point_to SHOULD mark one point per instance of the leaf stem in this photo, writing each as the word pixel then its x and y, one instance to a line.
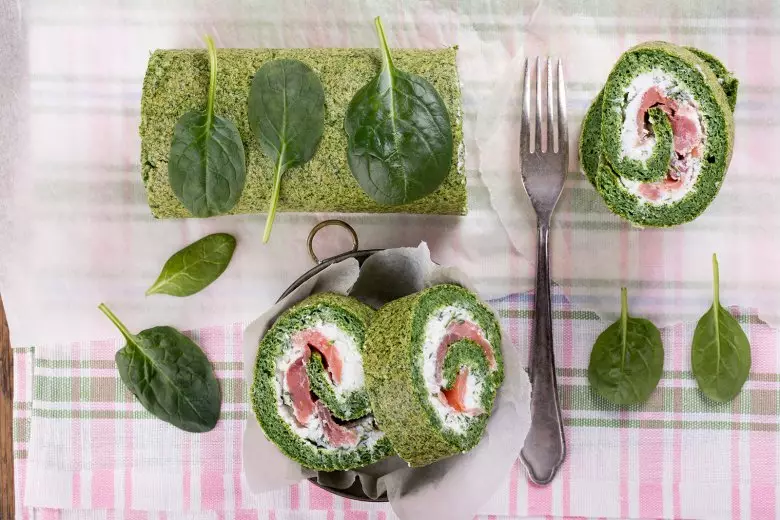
pixel 624 307
pixel 111 316
pixel 279 170
pixel 623 325
pixel 386 57
pixel 212 80
pixel 716 280
pixel 716 302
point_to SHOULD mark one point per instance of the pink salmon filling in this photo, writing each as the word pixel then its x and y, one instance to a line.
pixel 455 397
pixel 687 140
pixel 304 403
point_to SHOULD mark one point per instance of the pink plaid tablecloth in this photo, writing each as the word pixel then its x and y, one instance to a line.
pixel 676 456
pixel 85 449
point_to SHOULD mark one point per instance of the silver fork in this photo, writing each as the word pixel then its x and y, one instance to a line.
pixel 543 173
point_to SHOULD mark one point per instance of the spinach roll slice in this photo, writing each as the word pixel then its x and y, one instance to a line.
pixel 433 366
pixel 309 392
pixel 657 140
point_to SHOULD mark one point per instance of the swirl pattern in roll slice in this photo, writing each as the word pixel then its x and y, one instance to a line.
pixel 433 367
pixel 309 391
pixel 657 140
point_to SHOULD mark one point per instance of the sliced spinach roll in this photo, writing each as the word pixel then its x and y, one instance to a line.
pixel 657 140
pixel 433 365
pixel 309 391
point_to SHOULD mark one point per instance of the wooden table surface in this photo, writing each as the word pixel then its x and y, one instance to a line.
pixel 6 421
pixel 12 89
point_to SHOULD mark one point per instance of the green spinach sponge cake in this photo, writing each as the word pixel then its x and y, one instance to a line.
pixel 433 365
pixel 309 393
pixel 658 138
pixel 177 81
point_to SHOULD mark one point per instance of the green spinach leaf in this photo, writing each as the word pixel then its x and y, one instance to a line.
pixel 627 359
pixel 193 268
pixel 398 134
pixel 720 354
pixel 206 166
pixel 287 114
pixel 170 375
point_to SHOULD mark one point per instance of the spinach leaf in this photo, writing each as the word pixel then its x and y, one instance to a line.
pixel 398 134
pixel 627 359
pixel 287 114
pixel 170 375
pixel 206 166
pixel 720 354
pixel 193 268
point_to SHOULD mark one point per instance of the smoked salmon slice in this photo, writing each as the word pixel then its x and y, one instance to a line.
pixel 337 435
pixel 456 331
pixel 683 118
pixel 687 140
pixel 308 339
pixel 455 397
pixel 300 391
pixel 297 379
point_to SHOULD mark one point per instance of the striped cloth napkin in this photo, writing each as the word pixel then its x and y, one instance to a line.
pixel 75 230
pixel 83 442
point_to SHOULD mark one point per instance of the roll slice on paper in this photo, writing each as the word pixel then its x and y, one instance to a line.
pixel 308 392
pixel 657 140
pixel 433 366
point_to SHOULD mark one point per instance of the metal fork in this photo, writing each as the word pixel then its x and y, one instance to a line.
pixel 543 172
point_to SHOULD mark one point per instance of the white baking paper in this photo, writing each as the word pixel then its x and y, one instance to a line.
pixel 451 489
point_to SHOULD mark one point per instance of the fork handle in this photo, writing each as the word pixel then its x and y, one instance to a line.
pixel 544 448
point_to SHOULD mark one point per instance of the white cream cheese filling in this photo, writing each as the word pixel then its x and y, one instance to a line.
pixel 670 196
pixel 352 379
pixel 435 330
pixel 633 147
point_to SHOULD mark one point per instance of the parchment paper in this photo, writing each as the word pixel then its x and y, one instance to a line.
pixel 450 489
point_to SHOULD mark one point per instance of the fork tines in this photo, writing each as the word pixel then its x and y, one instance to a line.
pixel 557 131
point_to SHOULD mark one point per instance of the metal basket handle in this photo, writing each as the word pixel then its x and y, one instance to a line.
pixel 325 223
